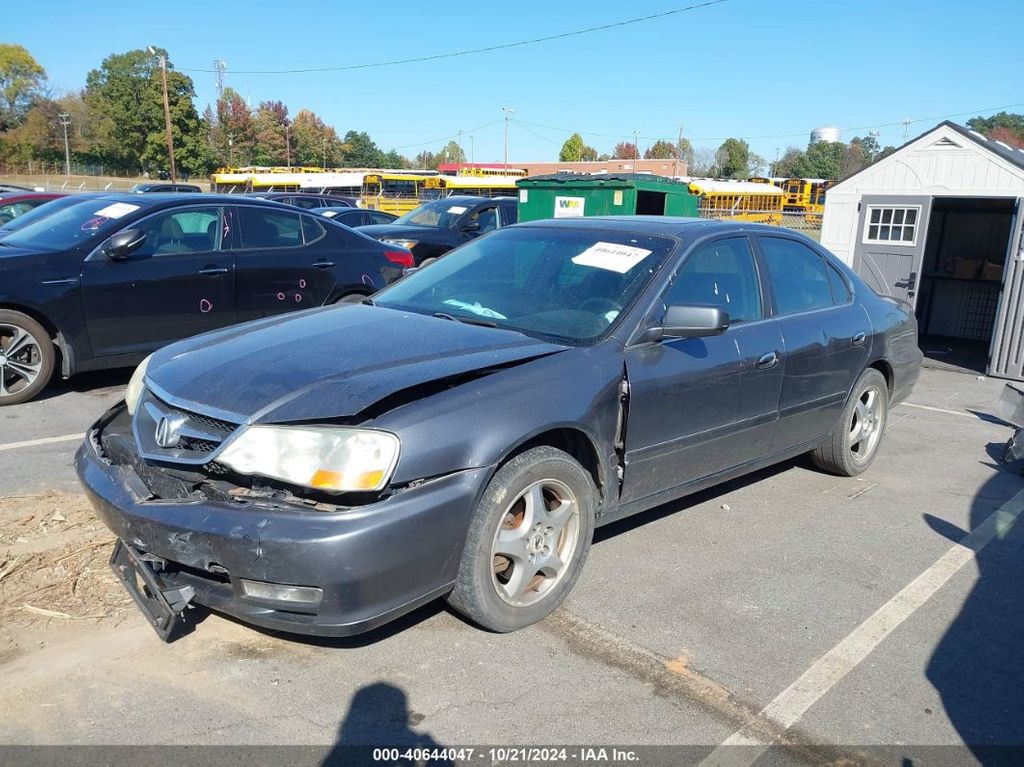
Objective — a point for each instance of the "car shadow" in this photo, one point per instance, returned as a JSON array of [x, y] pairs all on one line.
[[977, 666]]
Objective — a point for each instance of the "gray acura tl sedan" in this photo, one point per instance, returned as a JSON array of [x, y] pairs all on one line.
[[462, 434]]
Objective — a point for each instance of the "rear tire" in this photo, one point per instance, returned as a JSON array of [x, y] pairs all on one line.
[[853, 442], [527, 541], [27, 357]]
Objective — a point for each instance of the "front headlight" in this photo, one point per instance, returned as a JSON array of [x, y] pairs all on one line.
[[336, 459], [407, 244], [136, 386]]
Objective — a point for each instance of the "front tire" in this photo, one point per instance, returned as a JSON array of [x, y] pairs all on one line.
[[853, 442], [528, 539], [27, 357]]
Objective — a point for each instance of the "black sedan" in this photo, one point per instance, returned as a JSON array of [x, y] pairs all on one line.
[[464, 434], [356, 216], [435, 227], [105, 280], [155, 188]]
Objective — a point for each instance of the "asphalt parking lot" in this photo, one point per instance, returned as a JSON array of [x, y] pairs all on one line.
[[789, 606]]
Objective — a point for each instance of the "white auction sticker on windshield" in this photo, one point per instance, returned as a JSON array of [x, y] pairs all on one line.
[[611, 256], [457, 210], [117, 210]]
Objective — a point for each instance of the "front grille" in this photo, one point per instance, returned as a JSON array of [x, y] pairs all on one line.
[[171, 434]]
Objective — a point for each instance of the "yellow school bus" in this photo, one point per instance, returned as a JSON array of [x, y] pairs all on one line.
[[738, 200], [480, 186], [393, 192]]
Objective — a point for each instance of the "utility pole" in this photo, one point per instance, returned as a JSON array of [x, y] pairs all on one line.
[[636, 148], [509, 111], [906, 127], [167, 112], [288, 144], [231, 150], [472, 149], [65, 120], [679, 151], [325, 152]]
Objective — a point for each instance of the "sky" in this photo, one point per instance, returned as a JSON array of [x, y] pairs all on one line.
[[768, 72]]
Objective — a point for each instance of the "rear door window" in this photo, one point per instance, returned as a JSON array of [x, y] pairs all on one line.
[[261, 229], [797, 275]]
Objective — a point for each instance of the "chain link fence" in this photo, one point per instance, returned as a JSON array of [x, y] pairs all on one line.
[[806, 223]]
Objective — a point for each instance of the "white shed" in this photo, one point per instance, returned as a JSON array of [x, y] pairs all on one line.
[[939, 224]]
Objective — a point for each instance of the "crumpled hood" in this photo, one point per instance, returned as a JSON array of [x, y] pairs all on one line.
[[328, 363]]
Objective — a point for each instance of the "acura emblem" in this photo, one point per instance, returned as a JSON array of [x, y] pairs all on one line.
[[168, 430]]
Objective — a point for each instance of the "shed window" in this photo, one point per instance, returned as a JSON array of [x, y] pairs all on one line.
[[892, 224]]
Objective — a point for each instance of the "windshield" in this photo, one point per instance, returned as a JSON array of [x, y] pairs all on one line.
[[73, 225], [570, 285], [438, 213]]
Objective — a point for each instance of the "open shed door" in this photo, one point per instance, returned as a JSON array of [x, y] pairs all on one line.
[[889, 250], [1006, 354]]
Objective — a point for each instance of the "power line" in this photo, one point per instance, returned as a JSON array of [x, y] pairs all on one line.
[[471, 51], [449, 137]]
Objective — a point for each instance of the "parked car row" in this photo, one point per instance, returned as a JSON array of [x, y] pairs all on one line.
[[463, 432], [105, 279]]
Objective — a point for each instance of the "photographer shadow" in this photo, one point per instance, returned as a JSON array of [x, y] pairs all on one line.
[[379, 716]]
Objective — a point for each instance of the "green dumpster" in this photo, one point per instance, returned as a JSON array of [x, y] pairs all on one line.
[[572, 195]]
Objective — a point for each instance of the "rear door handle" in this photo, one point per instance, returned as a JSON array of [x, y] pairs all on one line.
[[860, 338], [213, 270], [767, 361], [323, 264]]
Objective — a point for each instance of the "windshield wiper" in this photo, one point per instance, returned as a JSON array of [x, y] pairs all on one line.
[[466, 320]]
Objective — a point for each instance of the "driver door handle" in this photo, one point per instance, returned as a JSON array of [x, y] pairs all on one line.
[[860, 338], [213, 270], [767, 361]]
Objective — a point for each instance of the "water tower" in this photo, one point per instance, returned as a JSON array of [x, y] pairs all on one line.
[[828, 133]]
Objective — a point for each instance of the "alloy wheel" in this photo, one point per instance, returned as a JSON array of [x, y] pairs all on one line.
[[535, 542], [21, 359], [866, 424]]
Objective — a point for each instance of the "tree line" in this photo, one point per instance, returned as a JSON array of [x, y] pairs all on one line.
[[116, 121]]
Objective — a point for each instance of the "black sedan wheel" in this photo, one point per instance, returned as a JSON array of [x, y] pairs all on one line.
[[527, 542], [853, 443], [26, 357]]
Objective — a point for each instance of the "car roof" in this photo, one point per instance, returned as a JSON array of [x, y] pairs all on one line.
[[673, 226], [155, 200], [16, 196]]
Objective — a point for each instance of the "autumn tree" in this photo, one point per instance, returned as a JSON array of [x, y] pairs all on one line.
[[21, 84], [625, 150], [1002, 126]]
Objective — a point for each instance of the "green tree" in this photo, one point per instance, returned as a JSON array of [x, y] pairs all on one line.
[[425, 160], [823, 159], [572, 149], [588, 154], [661, 150], [362, 152], [125, 98], [269, 127], [21, 84], [393, 159], [685, 152], [789, 164], [732, 160]]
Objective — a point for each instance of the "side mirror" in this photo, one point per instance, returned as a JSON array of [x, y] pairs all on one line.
[[123, 244], [694, 321]]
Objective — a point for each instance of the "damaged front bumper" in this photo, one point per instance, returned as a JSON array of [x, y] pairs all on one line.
[[352, 569]]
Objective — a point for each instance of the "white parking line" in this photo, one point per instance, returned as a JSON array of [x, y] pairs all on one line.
[[41, 441], [940, 410], [793, 702]]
